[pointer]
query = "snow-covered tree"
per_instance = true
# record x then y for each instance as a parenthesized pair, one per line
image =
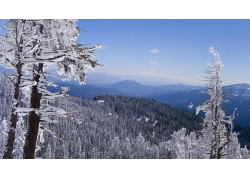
(12, 52)
(114, 150)
(6, 91)
(215, 136)
(140, 147)
(29, 48)
(48, 152)
(245, 153)
(65, 151)
(177, 145)
(78, 147)
(126, 148)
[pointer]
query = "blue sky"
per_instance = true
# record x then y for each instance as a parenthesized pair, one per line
(168, 51)
(172, 50)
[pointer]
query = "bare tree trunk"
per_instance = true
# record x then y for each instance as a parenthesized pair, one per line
(34, 119)
(11, 134)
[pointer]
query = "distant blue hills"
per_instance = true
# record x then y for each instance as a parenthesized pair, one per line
(178, 95)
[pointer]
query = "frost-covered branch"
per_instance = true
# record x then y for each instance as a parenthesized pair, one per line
(214, 132)
(28, 47)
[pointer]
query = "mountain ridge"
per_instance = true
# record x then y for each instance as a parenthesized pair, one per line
(177, 95)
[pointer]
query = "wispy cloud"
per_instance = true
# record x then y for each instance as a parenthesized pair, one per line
(149, 73)
(154, 51)
(153, 62)
(152, 73)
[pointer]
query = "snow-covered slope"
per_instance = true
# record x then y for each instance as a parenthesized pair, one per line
(237, 90)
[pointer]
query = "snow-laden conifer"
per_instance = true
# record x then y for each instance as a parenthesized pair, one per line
(216, 138)
(29, 47)
(6, 93)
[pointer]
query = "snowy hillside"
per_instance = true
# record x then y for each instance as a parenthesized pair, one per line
(238, 90)
(111, 127)
(116, 121)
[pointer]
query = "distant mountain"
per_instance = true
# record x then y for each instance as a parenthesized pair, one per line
(114, 126)
(178, 95)
(132, 88)
(84, 90)
(126, 88)
(95, 78)
(235, 91)
(91, 79)
(101, 79)
(237, 96)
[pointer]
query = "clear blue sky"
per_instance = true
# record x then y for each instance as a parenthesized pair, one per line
(169, 51)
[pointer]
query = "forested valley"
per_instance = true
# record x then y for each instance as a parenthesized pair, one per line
(38, 123)
(113, 126)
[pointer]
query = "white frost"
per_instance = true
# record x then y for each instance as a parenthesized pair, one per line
(190, 105)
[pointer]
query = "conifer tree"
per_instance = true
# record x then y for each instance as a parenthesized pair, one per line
(29, 48)
(216, 137)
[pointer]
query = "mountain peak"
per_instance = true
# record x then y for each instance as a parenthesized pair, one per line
(239, 86)
(128, 81)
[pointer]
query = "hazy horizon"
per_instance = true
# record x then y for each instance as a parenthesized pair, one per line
(160, 52)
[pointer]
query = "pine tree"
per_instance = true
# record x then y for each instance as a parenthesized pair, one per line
(115, 150)
(15, 45)
(215, 136)
(29, 47)
(48, 152)
(6, 93)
